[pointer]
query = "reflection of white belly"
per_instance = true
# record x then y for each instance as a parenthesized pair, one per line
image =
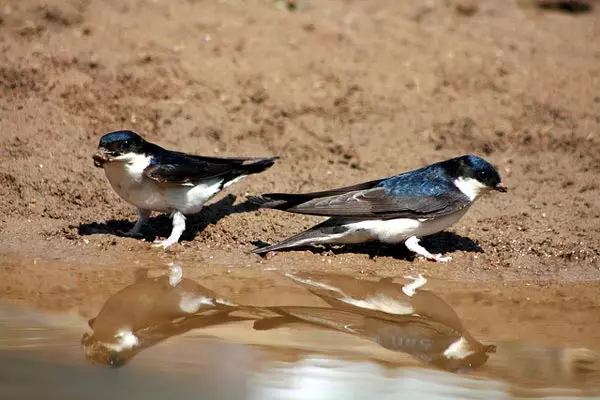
(135, 188)
(398, 230)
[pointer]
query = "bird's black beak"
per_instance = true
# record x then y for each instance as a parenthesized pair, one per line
(101, 157)
(501, 188)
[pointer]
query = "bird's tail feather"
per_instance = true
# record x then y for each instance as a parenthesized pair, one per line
(318, 234)
(304, 238)
(258, 200)
(279, 201)
(248, 167)
(285, 201)
(318, 316)
(254, 166)
(267, 324)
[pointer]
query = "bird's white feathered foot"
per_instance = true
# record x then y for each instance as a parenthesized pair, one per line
(178, 228)
(143, 216)
(412, 243)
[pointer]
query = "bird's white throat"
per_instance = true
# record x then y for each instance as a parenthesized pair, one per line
(126, 170)
(124, 340)
(133, 162)
(470, 187)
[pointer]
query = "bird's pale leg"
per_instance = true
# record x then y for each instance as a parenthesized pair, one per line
(178, 228)
(412, 243)
(143, 216)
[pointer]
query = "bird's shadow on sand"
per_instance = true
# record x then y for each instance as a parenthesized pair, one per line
(160, 226)
(443, 242)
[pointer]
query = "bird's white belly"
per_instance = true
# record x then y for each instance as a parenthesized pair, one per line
(400, 229)
(133, 187)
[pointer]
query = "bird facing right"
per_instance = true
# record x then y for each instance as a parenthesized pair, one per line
(400, 208)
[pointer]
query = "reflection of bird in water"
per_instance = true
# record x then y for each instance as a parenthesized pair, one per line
(413, 321)
(150, 311)
(400, 318)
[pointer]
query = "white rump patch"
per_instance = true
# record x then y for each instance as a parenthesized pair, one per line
(235, 180)
(190, 200)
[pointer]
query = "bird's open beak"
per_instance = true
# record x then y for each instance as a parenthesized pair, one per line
(101, 157)
(501, 188)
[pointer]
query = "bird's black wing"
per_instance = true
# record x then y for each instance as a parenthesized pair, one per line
(376, 202)
(180, 168)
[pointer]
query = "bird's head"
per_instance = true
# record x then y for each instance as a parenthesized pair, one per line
(119, 146)
(474, 175)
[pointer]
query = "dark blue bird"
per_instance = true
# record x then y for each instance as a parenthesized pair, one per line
(401, 208)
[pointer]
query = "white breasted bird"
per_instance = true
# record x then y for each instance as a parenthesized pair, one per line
(400, 208)
(155, 179)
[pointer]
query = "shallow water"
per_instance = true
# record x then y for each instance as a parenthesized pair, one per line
(164, 336)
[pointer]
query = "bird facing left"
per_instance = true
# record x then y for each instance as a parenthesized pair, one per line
(156, 179)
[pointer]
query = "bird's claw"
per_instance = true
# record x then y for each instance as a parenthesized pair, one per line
(162, 243)
(436, 258)
(440, 258)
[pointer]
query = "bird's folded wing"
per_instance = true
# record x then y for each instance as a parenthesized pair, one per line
(375, 203)
(184, 173)
(180, 169)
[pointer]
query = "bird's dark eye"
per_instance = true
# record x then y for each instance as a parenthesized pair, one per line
(126, 144)
(482, 175)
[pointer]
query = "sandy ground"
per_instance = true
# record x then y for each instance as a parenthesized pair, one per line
(343, 91)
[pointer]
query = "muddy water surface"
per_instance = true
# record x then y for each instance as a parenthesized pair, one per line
(268, 332)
